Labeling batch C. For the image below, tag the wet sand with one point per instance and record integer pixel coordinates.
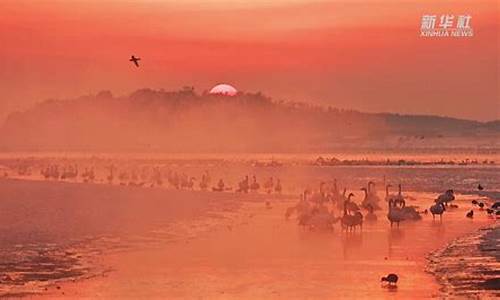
(469, 267)
(257, 254)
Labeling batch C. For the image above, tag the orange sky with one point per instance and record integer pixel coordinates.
(365, 55)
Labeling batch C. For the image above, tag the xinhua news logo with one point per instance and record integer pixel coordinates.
(446, 26)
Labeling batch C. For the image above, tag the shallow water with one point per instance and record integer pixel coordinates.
(121, 241)
(266, 257)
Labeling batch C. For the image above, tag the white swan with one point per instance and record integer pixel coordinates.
(302, 207)
(394, 215)
(349, 221)
(313, 218)
(372, 192)
(369, 200)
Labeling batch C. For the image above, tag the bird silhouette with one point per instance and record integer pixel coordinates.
(480, 187)
(391, 278)
(470, 214)
(135, 60)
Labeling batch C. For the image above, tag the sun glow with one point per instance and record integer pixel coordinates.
(224, 89)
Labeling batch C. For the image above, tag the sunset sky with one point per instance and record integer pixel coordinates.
(365, 55)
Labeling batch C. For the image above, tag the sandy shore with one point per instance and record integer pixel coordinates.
(249, 251)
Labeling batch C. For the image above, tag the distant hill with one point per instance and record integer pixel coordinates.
(157, 120)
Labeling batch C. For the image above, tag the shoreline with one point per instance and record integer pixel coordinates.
(242, 262)
(477, 271)
(73, 288)
(54, 233)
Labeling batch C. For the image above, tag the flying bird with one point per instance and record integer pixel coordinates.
(135, 60)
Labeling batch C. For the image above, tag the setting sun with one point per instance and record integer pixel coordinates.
(249, 149)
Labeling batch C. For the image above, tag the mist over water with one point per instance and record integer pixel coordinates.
(189, 196)
(339, 155)
(185, 121)
(86, 227)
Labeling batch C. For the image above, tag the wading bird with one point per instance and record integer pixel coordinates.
(446, 197)
(391, 278)
(437, 209)
(395, 215)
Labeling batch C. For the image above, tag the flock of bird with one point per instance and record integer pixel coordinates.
(313, 208)
(152, 176)
(494, 209)
(313, 212)
(317, 209)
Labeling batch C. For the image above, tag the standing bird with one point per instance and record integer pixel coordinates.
(394, 215)
(437, 209)
(352, 207)
(349, 221)
(135, 60)
(392, 279)
(446, 197)
(470, 214)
